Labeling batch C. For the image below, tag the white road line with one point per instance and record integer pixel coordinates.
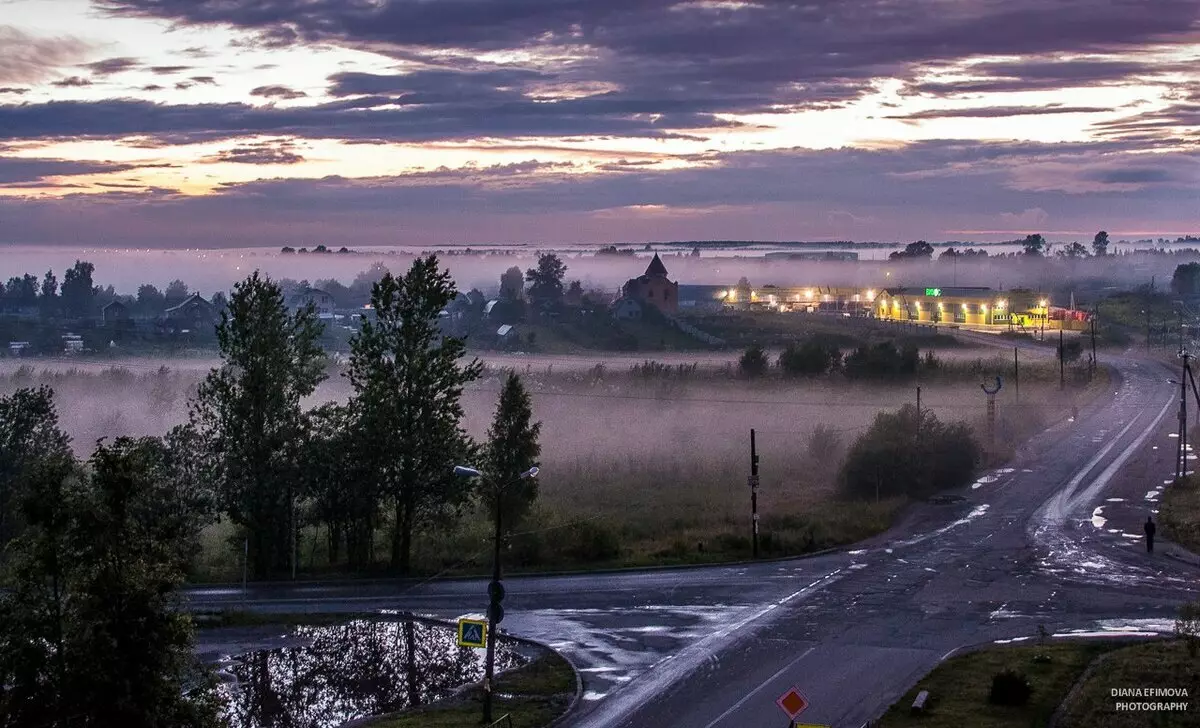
(756, 690)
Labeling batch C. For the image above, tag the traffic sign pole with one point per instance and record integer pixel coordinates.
(753, 495)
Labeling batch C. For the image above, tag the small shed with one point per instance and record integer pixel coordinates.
(115, 311)
(627, 309)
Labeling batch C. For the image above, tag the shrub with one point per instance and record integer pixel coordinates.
(825, 447)
(753, 362)
(1009, 688)
(811, 358)
(1187, 627)
(909, 454)
(1071, 351)
(882, 361)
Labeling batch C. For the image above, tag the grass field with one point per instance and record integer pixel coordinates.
(958, 688)
(1160, 664)
(532, 696)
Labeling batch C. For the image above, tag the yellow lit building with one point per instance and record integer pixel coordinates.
(977, 306)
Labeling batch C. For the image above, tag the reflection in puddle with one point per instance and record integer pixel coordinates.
(352, 670)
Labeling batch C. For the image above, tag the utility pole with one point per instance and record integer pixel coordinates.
(1062, 377)
(1095, 361)
(1016, 373)
(1147, 312)
(753, 495)
(1181, 445)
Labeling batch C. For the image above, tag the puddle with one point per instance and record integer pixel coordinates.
(348, 671)
(1115, 500)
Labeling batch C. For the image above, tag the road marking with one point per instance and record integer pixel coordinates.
(755, 691)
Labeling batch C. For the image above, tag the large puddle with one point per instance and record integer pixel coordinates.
(334, 674)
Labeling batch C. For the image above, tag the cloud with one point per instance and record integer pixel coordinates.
(72, 82)
(1041, 74)
(259, 153)
(22, 171)
(151, 87)
(29, 59)
(782, 194)
(13, 90)
(729, 56)
(111, 66)
(999, 112)
(352, 118)
(205, 80)
(277, 92)
(168, 70)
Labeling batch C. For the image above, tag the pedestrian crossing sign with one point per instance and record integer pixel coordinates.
(472, 633)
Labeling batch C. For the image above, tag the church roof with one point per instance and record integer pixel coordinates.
(656, 268)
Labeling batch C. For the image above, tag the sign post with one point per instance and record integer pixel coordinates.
(753, 481)
(472, 633)
(793, 703)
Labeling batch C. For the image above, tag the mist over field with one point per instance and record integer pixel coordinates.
(207, 271)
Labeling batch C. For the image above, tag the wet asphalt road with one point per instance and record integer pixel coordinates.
(714, 647)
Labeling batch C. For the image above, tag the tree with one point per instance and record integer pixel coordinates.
(408, 383)
(360, 287)
(77, 293)
(29, 437)
(911, 454)
(754, 362)
(150, 301)
(811, 358)
(512, 448)
(345, 498)
(882, 361)
(176, 292)
(913, 251)
(1070, 351)
(49, 297)
(1100, 243)
(1035, 245)
(219, 300)
(1185, 281)
(546, 281)
(248, 414)
(89, 626)
(512, 285)
(22, 292)
(1073, 251)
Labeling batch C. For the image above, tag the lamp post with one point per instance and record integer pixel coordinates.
(495, 588)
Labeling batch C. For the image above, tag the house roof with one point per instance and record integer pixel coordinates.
(656, 268)
(504, 330)
(110, 304)
(194, 298)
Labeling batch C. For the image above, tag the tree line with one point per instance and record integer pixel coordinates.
(94, 551)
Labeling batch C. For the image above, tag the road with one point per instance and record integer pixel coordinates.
(714, 647)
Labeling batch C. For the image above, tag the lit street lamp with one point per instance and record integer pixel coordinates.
(495, 588)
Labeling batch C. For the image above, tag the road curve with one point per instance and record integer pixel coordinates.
(714, 647)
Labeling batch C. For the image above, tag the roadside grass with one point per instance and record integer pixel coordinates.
(532, 696)
(742, 328)
(1159, 664)
(959, 687)
(1179, 513)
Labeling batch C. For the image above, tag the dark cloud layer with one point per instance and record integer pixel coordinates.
(916, 191)
(72, 82)
(22, 171)
(111, 66)
(260, 153)
(999, 111)
(277, 92)
(348, 119)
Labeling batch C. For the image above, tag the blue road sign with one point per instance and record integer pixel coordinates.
(472, 633)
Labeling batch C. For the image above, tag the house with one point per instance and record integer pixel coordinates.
(17, 348)
(114, 312)
(654, 288)
(320, 300)
(193, 313)
(72, 343)
(627, 309)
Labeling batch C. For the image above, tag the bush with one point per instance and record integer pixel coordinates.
(753, 362)
(1009, 688)
(1071, 351)
(882, 361)
(825, 447)
(909, 454)
(1187, 627)
(812, 358)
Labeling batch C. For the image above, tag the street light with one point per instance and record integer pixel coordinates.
(495, 588)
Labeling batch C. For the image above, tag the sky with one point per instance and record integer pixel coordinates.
(234, 123)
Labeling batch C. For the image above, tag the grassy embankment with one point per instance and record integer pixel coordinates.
(532, 696)
(1179, 514)
(959, 687)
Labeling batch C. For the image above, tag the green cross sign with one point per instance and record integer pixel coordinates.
(933, 291)
(472, 633)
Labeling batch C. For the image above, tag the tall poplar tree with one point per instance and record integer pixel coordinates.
(408, 381)
(512, 448)
(248, 413)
